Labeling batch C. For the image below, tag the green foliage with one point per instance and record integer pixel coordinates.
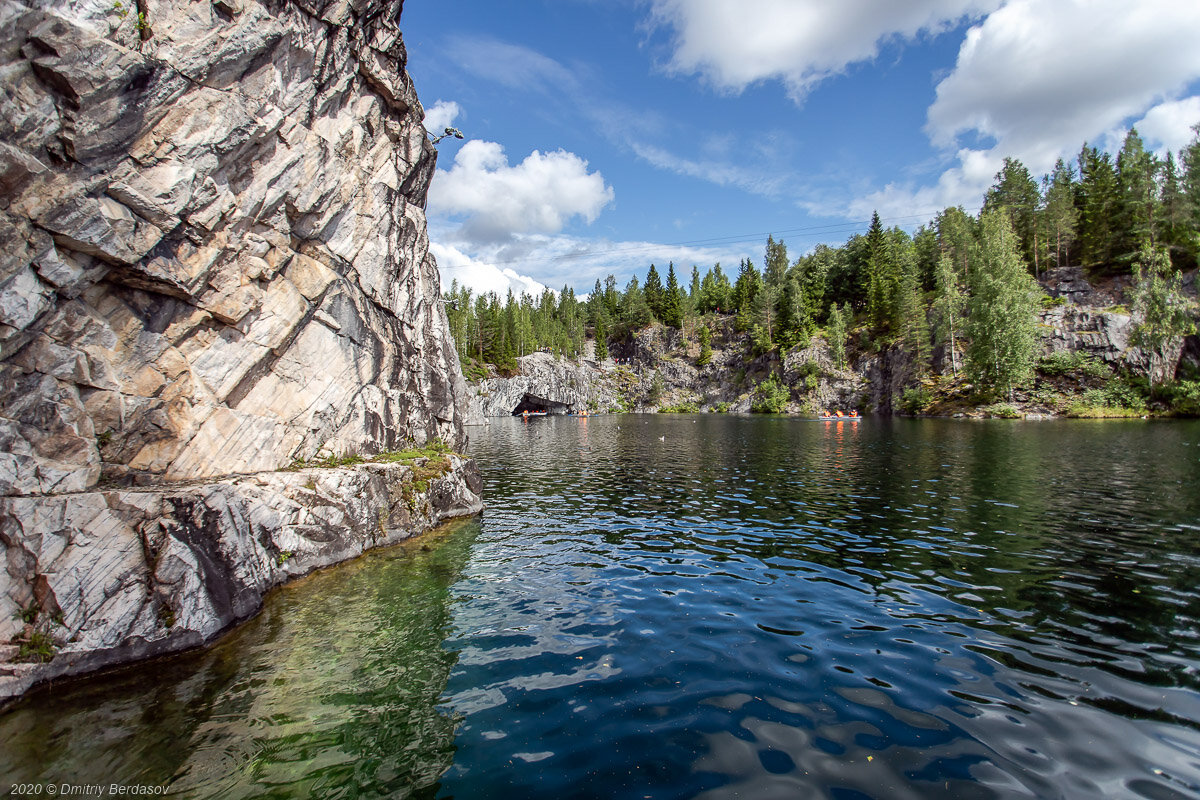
(284, 556)
(915, 399)
(1001, 325)
(657, 389)
(1075, 362)
(38, 649)
(1002, 411)
(720, 408)
(1183, 397)
(432, 449)
(705, 356)
(28, 614)
(770, 397)
(839, 324)
(1117, 399)
(1159, 306)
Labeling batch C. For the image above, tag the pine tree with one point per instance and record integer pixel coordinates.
(1002, 325)
(745, 293)
(635, 312)
(876, 269)
(1189, 186)
(1173, 229)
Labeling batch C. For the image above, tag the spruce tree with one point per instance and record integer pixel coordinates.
(1059, 217)
(654, 293)
(1097, 207)
(1016, 191)
(672, 300)
(1137, 199)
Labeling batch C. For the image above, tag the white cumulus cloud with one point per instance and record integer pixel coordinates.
(1039, 77)
(1169, 125)
(480, 276)
(441, 116)
(498, 200)
(735, 43)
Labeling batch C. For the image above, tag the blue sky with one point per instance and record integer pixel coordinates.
(604, 135)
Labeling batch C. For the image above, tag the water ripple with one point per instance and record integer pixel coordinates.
(793, 609)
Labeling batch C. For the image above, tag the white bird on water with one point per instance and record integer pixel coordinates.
(662, 438)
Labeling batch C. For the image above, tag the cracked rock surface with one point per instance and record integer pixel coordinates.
(213, 262)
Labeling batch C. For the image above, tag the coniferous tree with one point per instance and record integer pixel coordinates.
(876, 270)
(1097, 206)
(1174, 231)
(705, 356)
(1059, 217)
(839, 319)
(1004, 299)
(1016, 191)
(745, 293)
(1137, 199)
(601, 340)
(635, 312)
(1189, 187)
(775, 263)
(672, 302)
(654, 293)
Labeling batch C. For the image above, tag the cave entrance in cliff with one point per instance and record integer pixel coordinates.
(538, 405)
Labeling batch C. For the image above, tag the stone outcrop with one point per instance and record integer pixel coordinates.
(213, 262)
(105, 577)
(213, 254)
(544, 383)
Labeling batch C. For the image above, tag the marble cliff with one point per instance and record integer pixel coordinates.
(213, 264)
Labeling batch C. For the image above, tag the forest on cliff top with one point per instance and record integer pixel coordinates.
(963, 285)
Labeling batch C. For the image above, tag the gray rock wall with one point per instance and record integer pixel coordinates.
(213, 262)
(106, 577)
(213, 254)
(559, 386)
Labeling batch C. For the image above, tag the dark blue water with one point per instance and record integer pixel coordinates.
(677, 606)
(725, 607)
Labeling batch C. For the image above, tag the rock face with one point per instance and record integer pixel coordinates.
(213, 261)
(544, 383)
(214, 255)
(109, 576)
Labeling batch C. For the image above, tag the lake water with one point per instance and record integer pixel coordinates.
(682, 606)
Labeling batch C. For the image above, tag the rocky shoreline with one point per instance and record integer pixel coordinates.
(101, 578)
(1086, 344)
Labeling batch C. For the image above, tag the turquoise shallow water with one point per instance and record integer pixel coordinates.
(679, 606)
